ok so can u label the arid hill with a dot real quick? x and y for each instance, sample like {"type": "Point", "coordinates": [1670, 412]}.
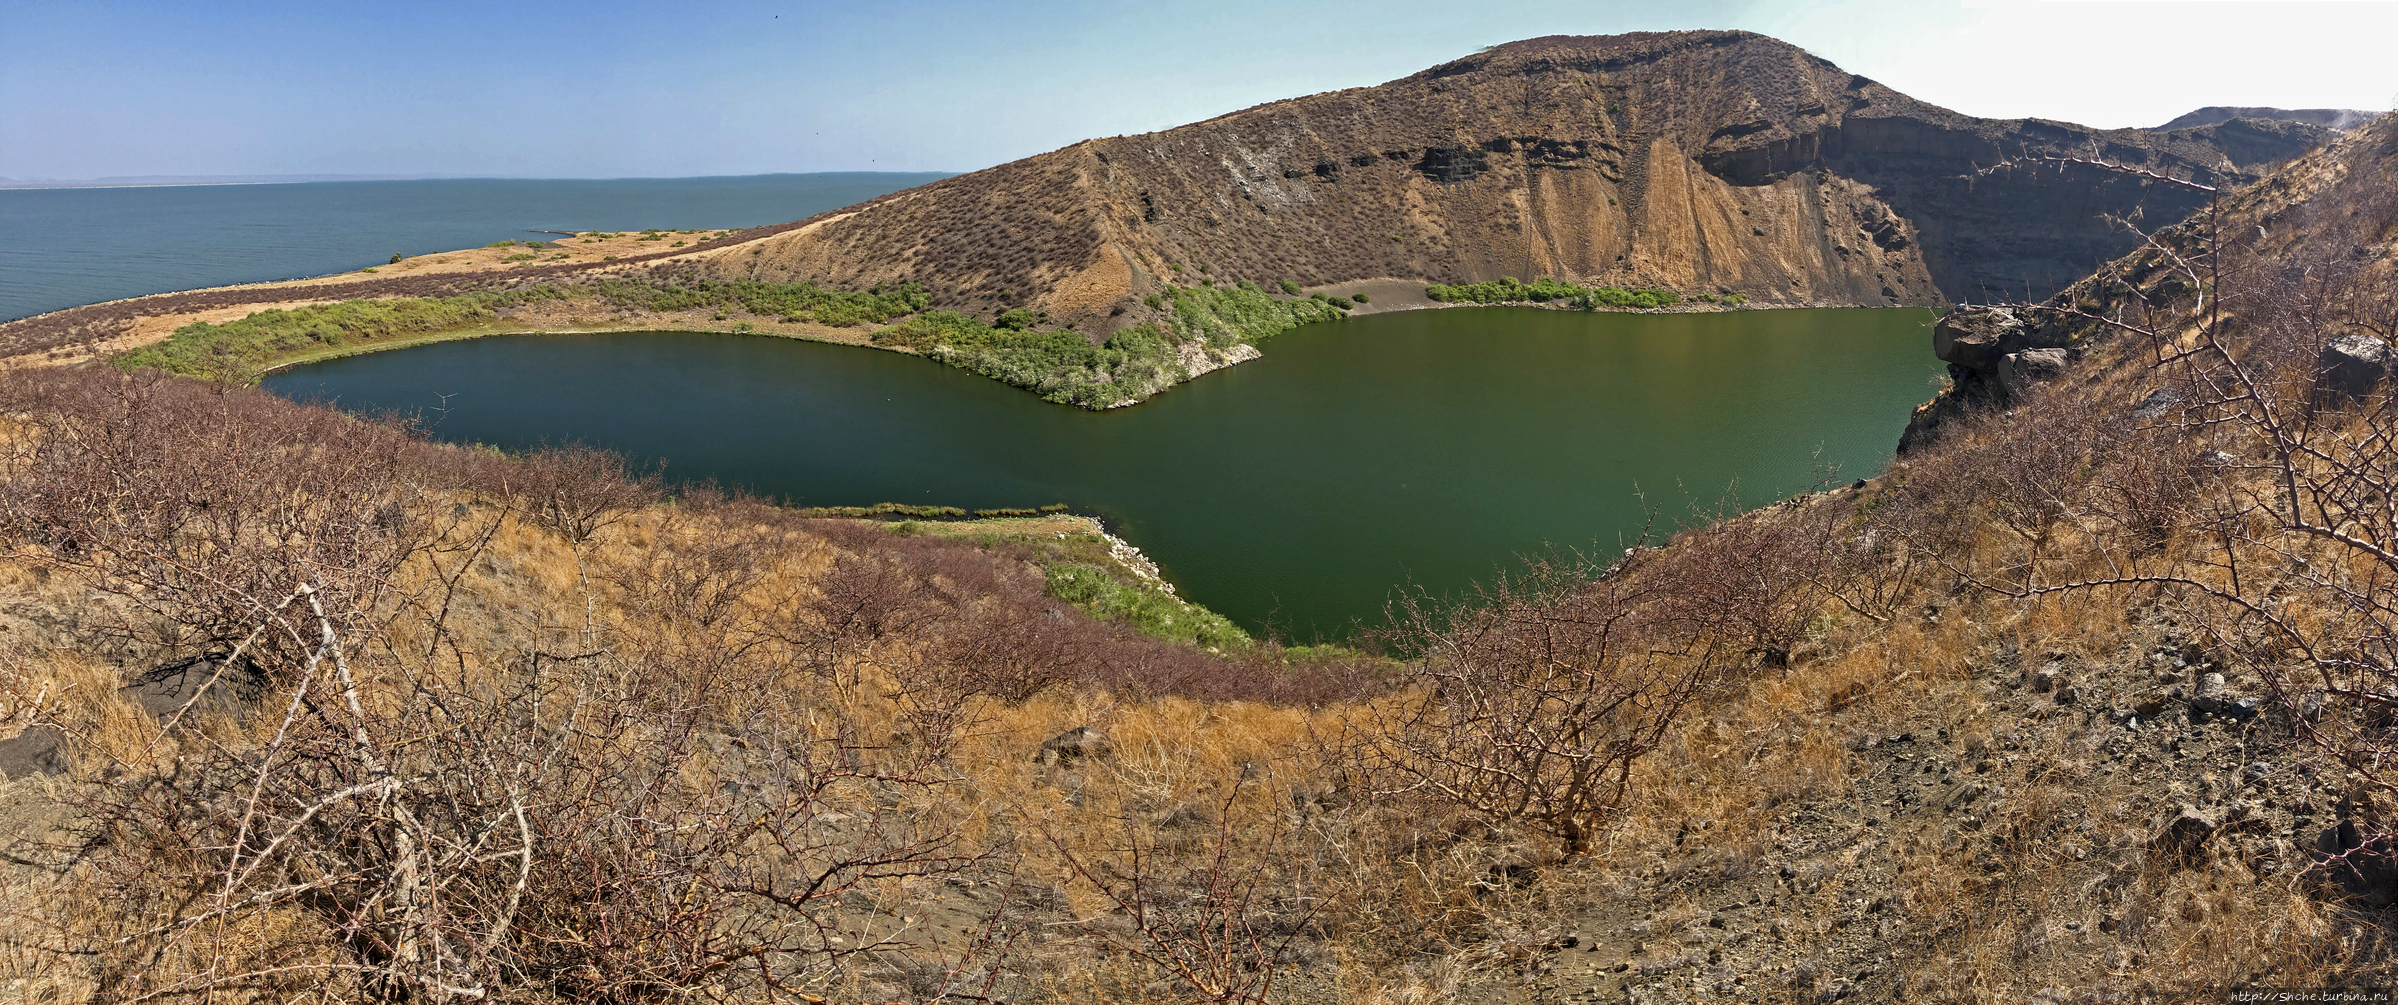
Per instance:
{"type": "Point", "coordinates": [2334, 118]}
{"type": "Point", "coordinates": [2087, 699]}
{"type": "Point", "coordinates": [1704, 161]}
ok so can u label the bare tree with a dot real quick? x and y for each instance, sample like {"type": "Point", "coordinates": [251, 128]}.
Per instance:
{"type": "Point", "coordinates": [1534, 701]}
{"type": "Point", "coordinates": [1206, 922]}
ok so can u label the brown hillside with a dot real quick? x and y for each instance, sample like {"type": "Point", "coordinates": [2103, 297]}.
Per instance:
{"type": "Point", "coordinates": [2086, 700]}
{"type": "Point", "coordinates": [2321, 222]}
{"type": "Point", "coordinates": [1704, 161]}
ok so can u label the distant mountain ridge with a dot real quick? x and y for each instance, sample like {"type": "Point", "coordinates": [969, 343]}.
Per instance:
{"type": "Point", "coordinates": [1704, 161]}
{"type": "Point", "coordinates": [2333, 118]}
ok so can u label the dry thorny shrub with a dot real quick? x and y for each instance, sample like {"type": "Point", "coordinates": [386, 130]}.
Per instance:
{"type": "Point", "coordinates": [737, 738]}
{"type": "Point", "coordinates": [689, 792]}
{"type": "Point", "coordinates": [410, 815]}
{"type": "Point", "coordinates": [741, 737]}
{"type": "Point", "coordinates": [1538, 697]}
{"type": "Point", "coordinates": [2231, 470]}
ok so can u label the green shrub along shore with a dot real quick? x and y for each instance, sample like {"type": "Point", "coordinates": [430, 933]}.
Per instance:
{"type": "Point", "coordinates": [886, 511]}
{"type": "Point", "coordinates": [241, 349]}
{"type": "Point", "coordinates": [1147, 610]}
{"type": "Point", "coordinates": [1059, 364]}
{"type": "Point", "coordinates": [1081, 568]}
{"type": "Point", "coordinates": [1134, 363]}
{"type": "Point", "coordinates": [1510, 290]}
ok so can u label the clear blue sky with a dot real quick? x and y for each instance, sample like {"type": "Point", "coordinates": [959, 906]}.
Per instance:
{"type": "Point", "coordinates": [605, 89]}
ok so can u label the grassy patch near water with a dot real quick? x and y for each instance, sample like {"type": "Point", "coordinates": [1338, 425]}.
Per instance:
{"type": "Point", "coordinates": [1144, 608]}
{"type": "Point", "coordinates": [1510, 290]}
{"type": "Point", "coordinates": [1059, 365]}
{"type": "Point", "coordinates": [240, 349]}
{"type": "Point", "coordinates": [1082, 570]}
{"type": "Point", "coordinates": [1132, 364]}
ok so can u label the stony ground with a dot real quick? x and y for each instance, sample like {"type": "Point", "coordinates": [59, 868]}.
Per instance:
{"type": "Point", "coordinates": [2028, 830]}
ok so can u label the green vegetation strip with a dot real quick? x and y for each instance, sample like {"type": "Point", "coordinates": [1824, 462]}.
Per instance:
{"type": "Point", "coordinates": [1144, 608]}
{"type": "Point", "coordinates": [1134, 363]}
{"type": "Point", "coordinates": [1060, 364]}
{"type": "Point", "coordinates": [1541, 291]}
{"type": "Point", "coordinates": [1083, 570]}
{"type": "Point", "coordinates": [237, 349]}
{"type": "Point", "coordinates": [905, 511]}
{"type": "Point", "coordinates": [240, 349]}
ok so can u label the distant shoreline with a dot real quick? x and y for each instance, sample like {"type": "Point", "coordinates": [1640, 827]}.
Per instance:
{"type": "Point", "coordinates": [200, 181]}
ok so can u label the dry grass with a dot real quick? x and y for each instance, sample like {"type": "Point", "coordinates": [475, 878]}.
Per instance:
{"type": "Point", "coordinates": [1917, 740]}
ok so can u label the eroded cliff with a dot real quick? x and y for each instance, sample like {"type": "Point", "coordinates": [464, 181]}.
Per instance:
{"type": "Point", "coordinates": [1706, 161]}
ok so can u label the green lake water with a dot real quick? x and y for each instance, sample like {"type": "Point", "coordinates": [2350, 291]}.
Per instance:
{"type": "Point", "coordinates": [1423, 450]}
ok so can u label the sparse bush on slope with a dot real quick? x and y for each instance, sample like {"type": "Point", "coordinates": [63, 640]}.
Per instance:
{"type": "Point", "coordinates": [789, 301]}
{"type": "Point", "coordinates": [237, 350]}
{"type": "Point", "coordinates": [639, 799]}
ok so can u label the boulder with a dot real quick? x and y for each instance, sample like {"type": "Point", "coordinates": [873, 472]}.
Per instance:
{"type": "Point", "coordinates": [1978, 337]}
{"type": "Point", "coordinates": [2213, 698]}
{"type": "Point", "coordinates": [220, 689]}
{"type": "Point", "coordinates": [2358, 867]}
{"type": "Point", "coordinates": [2352, 365]}
{"type": "Point", "coordinates": [2018, 371]}
{"type": "Point", "coordinates": [161, 692]}
{"type": "Point", "coordinates": [40, 750]}
{"type": "Point", "coordinates": [2182, 840]}
{"type": "Point", "coordinates": [1079, 743]}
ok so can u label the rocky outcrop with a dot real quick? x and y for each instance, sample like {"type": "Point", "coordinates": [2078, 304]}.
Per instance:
{"type": "Point", "coordinates": [1704, 161]}
{"type": "Point", "coordinates": [1082, 743]}
{"type": "Point", "coordinates": [2352, 366]}
{"type": "Point", "coordinates": [2329, 212]}
{"type": "Point", "coordinates": [1978, 339]}
{"type": "Point", "coordinates": [2018, 371]}
{"type": "Point", "coordinates": [1995, 355]}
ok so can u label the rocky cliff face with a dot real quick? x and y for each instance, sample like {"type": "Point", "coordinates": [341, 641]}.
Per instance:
{"type": "Point", "coordinates": [1701, 161]}
{"type": "Point", "coordinates": [2325, 220]}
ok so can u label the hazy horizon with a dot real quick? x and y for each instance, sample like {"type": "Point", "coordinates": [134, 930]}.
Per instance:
{"type": "Point", "coordinates": [173, 181]}
{"type": "Point", "coordinates": [136, 90]}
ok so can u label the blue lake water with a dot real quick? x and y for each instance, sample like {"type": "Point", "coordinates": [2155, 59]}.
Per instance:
{"type": "Point", "coordinates": [66, 247]}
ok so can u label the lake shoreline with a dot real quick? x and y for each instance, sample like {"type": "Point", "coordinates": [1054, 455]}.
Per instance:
{"type": "Point", "coordinates": [1415, 447]}
{"type": "Point", "coordinates": [857, 337]}
{"type": "Point", "coordinates": [603, 256]}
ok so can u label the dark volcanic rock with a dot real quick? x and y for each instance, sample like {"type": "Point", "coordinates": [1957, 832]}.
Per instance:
{"type": "Point", "coordinates": [37, 751]}
{"type": "Point", "coordinates": [1977, 338]}
{"type": "Point", "coordinates": [1079, 743]}
{"type": "Point", "coordinates": [2365, 869]}
{"type": "Point", "coordinates": [2018, 371]}
{"type": "Point", "coordinates": [167, 688]}
{"type": "Point", "coordinates": [161, 692]}
{"type": "Point", "coordinates": [2352, 365]}
{"type": "Point", "coordinates": [2183, 838]}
